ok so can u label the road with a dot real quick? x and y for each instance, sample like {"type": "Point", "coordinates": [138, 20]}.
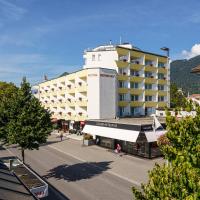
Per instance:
{"type": "Point", "coordinates": [77, 180]}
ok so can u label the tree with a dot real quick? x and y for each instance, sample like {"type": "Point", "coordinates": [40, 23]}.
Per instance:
{"type": "Point", "coordinates": [180, 178]}
{"type": "Point", "coordinates": [7, 92]}
{"type": "Point", "coordinates": [177, 98]}
{"type": "Point", "coordinates": [29, 123]}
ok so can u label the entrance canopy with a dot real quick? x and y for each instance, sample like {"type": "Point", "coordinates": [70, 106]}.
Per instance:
{"type": "Point", "coordinates": [114, 133]}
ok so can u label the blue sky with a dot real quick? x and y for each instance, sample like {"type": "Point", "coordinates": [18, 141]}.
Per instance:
{"type": "Point", "coordinates": [40, 37]}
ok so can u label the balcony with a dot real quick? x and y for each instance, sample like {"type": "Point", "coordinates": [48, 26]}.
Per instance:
{"type": "Point", "coordinates": [162, 70]}
{"type": "Point", "coordinates": [82, 117]}
{"type": "Point", "coordinates": [136, 103]}
{"type": "Point", "coordinates": [136, 66]}
{"type": "Point", "coordinates": [150, 104]}
{"type": "Point", "coordinates": [136, 54]}
{"type": "Point", "coordinates": [162, 93]}
{"type": "Point", "coordinates": [136, 91]}
{"type": "Point", "coordinates": [61, 104]}
{"type": "Point", "coordinates": [123, 103]}
{"type": "Point", "coordinates": [81, 88]}
{"type": "Point", "coordinates": [136, 79]}
{"type": "Point", "coordinates": [150, 68]}
{"type": "Point", "coordinates": [121, 64]}
{"type": "Point", "coordinates": [122, 77]}
{"type": "Point", "coordinates": [71, 77]}
{"type": "Point", "coordinates": [150, 80]}
{"type": "Point", "coordinates": [62, 92]}
{"type": "Point", "coordinates": [82, 74]}
{"type": "Point", "coordinates": [70, 103]}
{"type": "Point", "coordinates": [123, 90]}
{"type": "Point", "coordinates": [71, 90]}
{"type": "Point", "coordinates": [82, 103]}
{"type": "Point", "coordinates": [150, 57]}
{"type": "Point", "coordinates": [162, 104]}
{"type": "Point", "coordinates": [122, 51]}
{"type": "Point", "coordinates": [150, 92]}
{"type": "Point", "coordinates": [162, 82]}
{"type": "Point", "coordinates": [162, 59]}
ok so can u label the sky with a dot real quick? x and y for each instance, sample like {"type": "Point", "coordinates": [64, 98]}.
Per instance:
{"type": "Point", "coordinates": [48, 37]}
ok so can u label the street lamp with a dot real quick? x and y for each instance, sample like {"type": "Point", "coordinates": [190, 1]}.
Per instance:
{"type": "Point", "coordinates": [166, 49]}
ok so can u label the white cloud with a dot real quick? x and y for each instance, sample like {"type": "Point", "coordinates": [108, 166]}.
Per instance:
{"type": "Point", "coordinates": [194, 51]}
{"type": "Point", "coordinates": [14, 66]}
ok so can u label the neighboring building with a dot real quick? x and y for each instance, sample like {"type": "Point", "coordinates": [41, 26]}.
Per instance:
{"type": "Point", "coordinates": [85, 94]}
{"type": "Point", "coordinates": [143, 77]}
{"type": "Point", "coordinates": [116, 81]}
{"type": "Point", "coordinates": [137, 136]}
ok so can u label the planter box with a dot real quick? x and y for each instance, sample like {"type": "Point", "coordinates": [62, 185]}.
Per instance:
{"type": "Point", "coordinates": [88, 142]}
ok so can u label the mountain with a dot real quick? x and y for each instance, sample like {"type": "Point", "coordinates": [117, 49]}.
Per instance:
{"type": "Point", "coordinates": [64, 74]}
{"type": "Point", "coordinates": [181, 75]}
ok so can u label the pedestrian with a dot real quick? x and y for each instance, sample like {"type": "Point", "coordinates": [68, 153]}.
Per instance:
{"type": "Point", "coordinates": [61, 136]}
{"type": "Point", "coordinates": [118, 148]}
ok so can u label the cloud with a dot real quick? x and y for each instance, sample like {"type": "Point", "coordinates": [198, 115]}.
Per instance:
{"type": "Point", "coordinates": [14, 66]}
{"type": "Point", "coordinates": [9, 10]}
{"type": "Point", "coordinates": [195, 51]}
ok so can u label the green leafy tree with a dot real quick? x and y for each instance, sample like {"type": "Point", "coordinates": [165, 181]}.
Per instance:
{"type": "Point", "coordinates": [177, 98]}
{"type": "Point", "coordinates": [29, 123]}
{"type": "Point", "coordinates": [7, 92]}
{"type": "Point", "coordinates": [180, 178]}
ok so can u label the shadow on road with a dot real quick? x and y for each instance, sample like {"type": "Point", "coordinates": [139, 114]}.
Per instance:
{"type": "Point", "coordinates": [78, 171]}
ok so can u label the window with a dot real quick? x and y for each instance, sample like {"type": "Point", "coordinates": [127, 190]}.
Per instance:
{"type": "Point", "coordinates": [161, 98]}
{"type": "Point", "coordinates": [149, 62]}
{"type": "Point", "coordinates": [135, 111]}
{"type": "Point", "coordinates": [148, 98]}
{"type": "Point", "coordinates": [134, 85]}
{"type": "Point", "coordinates": [93, 57]}
{"type": "Point", "coordinates": [148, 74]}
{"type": "Point", "coordinates": [121, 97]}
{"type": "Point", "coordinates": [148, 86]}
{"type": "Point", "coordinates": [121, 71]}
{"type": "Point", "coordinates": [99, 57]}
{"type": "Point", "coordinates": [161, 76]}
{"type": "Point", "coordinates": [121, 84]}
{"type": "Point", "coordinates": [134, 73]}
{"type": "Point", "coordinates": [160, 64]}
{"type": "Point", "coordinates": [160, 87]}
{"type": "Point", "coordinates": [134, 98]}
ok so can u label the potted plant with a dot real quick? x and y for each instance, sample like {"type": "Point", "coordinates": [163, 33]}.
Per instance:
{"type": "Point", "coordinates": [88, 139]}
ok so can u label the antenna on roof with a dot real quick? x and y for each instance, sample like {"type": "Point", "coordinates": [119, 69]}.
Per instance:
{"type": "Point", "coordinates": [120, 40]}
{"type": "Point", "coordinates": [45, 77]}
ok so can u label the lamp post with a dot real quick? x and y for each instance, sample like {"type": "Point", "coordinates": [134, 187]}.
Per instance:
{"type": "Point", "coordinates": [166, 49]}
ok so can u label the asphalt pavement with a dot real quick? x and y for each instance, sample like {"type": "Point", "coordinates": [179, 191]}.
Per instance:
{"type": "Point", "coordinates": [77, 180]}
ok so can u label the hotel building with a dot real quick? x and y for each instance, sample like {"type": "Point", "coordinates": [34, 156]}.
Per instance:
{"type": "Point", "coordinates": [143, 78]}
{"type": "Point", "coordinates": [116, 81]}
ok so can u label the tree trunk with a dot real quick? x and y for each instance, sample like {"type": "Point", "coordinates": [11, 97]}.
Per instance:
{"type": "Point", "coordinates": [22, 154]}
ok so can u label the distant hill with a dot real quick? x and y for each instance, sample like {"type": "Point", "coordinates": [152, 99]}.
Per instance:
{"type": "Point", "coordinates": [181, 76]}
{"type": "Point", "coordinates": [64, 74]}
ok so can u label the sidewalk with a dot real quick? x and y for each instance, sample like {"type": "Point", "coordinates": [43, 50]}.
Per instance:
{"type": "Point", "coordinates": [127, 167]}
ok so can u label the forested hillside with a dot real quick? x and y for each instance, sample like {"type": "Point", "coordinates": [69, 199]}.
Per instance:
{"type": "Point", "coordinates": [181, 75]}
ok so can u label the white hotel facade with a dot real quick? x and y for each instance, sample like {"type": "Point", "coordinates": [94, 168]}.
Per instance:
{"type": "Point", "coordinates": [116, 81]}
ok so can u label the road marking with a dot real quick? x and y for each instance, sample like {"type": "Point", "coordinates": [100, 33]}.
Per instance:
{"type": "Point", "coordinates": [109, 172]}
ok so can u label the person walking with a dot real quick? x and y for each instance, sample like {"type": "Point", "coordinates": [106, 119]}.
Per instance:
{"type": "Point", "coordinates": [61, 136]}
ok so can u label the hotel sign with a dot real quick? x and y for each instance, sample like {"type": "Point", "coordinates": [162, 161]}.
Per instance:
{"type": "Point", "coordinates": [114, 125]}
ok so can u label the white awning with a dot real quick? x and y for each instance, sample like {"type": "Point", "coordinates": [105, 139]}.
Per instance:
{"type": "Point", "coordinates": [119, 134]}
{"type": "Point", "coordinates": [153, 136]}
